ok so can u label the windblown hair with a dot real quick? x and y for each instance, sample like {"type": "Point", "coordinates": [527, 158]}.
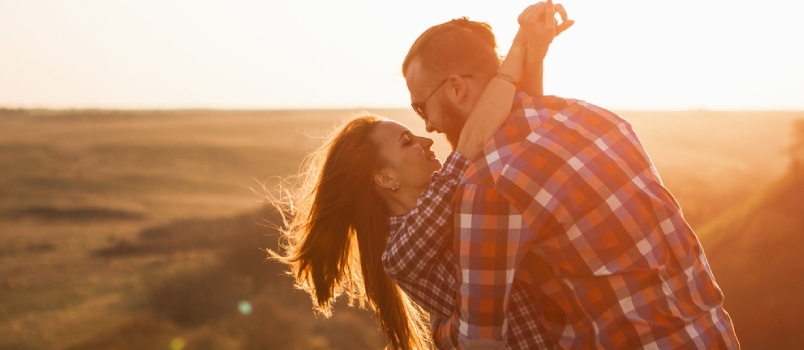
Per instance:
{"type": "Point", "coordinates": [459, 46]}
{"type": "Point", "coordinates": [335, 231]}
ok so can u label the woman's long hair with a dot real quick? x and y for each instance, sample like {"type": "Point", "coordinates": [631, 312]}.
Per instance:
{"type": "Point", "coordinates": [335, 231]}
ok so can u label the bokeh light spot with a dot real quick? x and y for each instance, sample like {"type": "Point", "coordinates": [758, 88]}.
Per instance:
{"type": "Point", "coordinates": [244, 307]}
{"type": "Point", "coordinates": [177, 343]}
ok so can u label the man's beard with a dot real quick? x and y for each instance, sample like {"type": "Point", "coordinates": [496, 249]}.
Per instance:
{"type": "Point", "coordinates": [453, 123]}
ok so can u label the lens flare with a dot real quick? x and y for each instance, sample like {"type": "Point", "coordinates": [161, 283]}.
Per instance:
{"type": "Point", "coordinates": [244, 307]}
{"type": "Point", "coordinates": [177, 343]}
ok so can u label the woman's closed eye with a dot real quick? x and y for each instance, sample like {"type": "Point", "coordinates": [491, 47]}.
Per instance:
{"type": "Point", "coordinates": [407, 140]}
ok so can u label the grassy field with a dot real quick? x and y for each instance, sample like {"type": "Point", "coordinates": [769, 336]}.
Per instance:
{"type": "Point", "coordinates": [100, 211]}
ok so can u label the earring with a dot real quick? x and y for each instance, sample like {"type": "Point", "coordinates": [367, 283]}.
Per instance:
{"type": "Point", "coordinates": [396, 187]}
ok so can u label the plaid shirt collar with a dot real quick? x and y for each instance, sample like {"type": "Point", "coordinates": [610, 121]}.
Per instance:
{"type": "Point", "coordinates": [394, 222]}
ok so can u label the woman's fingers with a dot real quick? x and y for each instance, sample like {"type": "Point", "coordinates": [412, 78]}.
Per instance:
{"type": "Point", "coordinates": [565, 21]}
{"type": "Point", "coordinates": [523, 17]}
{"type": "Point", "coordinates": [561, 12]}
{"type": "Point", "coordinates": [540, 18]}
{"type": "Point", "coordinates": [537, 21]}
{"type": "Point", "coordinates": [530, 13]}
{"type": "Point", "coordinates": [564, 26]}
{"type": "Point", "coordinates": [549, 12]}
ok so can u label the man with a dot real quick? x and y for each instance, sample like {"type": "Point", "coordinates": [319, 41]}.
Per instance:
{"type": "Point", "coordinates": [419, 255]}
{"type": "Point", "coordinates": [567, 209]}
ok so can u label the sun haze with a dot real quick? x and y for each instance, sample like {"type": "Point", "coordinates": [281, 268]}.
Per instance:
{"type": "Point", "coordinates": [323, 54]}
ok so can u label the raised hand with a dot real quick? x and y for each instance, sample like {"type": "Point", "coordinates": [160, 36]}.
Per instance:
{"type": "Point", "coordinates": [539, 25]}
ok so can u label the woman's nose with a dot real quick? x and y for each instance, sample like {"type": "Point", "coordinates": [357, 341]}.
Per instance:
{"type": "Point", "coordinates": [429, 127]}
{"type": "Point", "coordinates": [426, 141]}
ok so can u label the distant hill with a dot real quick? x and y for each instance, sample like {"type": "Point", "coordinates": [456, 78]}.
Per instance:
{"type": "Point", "coordinates": [203, 308]}
{"type": "Point", "coordinates": [755, 252]}
{"type": "Point", "coordinates": [139, 226]}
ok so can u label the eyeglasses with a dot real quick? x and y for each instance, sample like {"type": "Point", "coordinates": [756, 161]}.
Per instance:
{"type": "Point", "coordinates": [419, 106]}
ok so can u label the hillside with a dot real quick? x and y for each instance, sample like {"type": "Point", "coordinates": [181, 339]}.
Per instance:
{"type": "Point", "coordinates": [752, 249]}
{"type": "Point", "coordinates": [755, 254]}
{"type": "Point", "coordinates": [105, 216]}
{"type": "Point", "coordinates": [238, 301]}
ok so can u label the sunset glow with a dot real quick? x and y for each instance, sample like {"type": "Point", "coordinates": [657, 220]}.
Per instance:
{"type": "Point", "coordinates": [321, 54]}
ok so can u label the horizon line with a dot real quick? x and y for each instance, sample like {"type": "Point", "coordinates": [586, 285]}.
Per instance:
{"type": "Point", "coordinates": [343, 108]}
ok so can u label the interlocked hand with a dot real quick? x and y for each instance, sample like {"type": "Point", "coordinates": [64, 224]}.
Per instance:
{"type": "Point", "coordinates": [539, 26]}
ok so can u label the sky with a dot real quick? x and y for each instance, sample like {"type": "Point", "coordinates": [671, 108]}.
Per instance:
{"type": "Point", "coordinates": [150, 54]}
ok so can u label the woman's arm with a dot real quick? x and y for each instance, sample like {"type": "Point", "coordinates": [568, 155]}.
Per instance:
{"type": "Point", "coordinates": [536, 32]}
{"type": "Point", "coordinates": [532, 81]}
{"type": "Point", "coordinates": [494, 104]}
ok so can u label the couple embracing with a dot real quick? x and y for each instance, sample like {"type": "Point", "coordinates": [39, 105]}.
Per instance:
{"type": "Point", "coordinates": [547, 227]}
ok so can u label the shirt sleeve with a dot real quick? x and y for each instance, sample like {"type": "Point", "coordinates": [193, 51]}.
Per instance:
{"type": "Point", "coordinates": [491, 239]}
{"type": "Point", "coordinates": [415, 256]}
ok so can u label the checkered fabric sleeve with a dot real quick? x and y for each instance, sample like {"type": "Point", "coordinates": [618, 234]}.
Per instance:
{"type": "Point", "coordinates": [415, 254]}
{"type": "Point", "coordinates": [425, 267]}
{"type": "Point", "coordinates": [491, 239]}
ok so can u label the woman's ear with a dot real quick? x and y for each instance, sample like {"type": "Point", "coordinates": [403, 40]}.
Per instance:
{"type": "Point", "coordinates": [385, 179]}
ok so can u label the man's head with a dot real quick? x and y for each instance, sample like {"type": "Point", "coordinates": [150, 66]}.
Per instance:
{"type": "Point", "coordinates": [446, 69]}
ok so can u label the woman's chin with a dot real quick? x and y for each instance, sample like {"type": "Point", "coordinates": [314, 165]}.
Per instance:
{"type": "Point", "coordinates": [436, 164]}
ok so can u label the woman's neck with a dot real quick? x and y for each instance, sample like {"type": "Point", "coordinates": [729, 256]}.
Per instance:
{"type": "Point", "coordinates": [402, 201]}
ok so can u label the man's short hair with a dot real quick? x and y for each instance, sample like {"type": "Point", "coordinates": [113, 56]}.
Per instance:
{"type": "Point", "coordinates": [459, 46]}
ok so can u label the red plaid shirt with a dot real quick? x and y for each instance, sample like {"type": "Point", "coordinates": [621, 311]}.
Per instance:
{"type": "Point", "coordinates": [420, 258]}
{"type": "Point", "coordinates": [567, 203]}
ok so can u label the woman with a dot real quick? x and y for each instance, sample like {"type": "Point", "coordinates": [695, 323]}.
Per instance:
{"type": "Point", "coordinates": [373, 169]}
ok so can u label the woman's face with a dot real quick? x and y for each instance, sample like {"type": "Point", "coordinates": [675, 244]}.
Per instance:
{"type": "Point", "coordinates": [407, 156]}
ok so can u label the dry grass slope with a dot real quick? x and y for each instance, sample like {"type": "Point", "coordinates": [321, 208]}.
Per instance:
{"type": "Point", "coordinates": [202, 306]}
{"type": "Point", "coordinates": [754, 251]}
{"type": "Point", "coordinates": [132, 229]}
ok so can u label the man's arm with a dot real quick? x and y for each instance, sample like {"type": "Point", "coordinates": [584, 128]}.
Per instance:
{"type": "Point", "coordinates": [491, 239]}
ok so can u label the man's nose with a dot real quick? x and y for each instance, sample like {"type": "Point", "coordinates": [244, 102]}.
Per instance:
{"type": "Point", "coordinates": [429, 127]}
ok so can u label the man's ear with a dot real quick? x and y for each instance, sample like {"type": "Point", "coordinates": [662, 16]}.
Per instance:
{"type": "Point", "coordinates": [385, 179]}
{"type": "Point", "coordinates": [456, 89]}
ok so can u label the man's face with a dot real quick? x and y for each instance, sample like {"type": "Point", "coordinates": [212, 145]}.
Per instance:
{"type": "Point", "coordinates": [451, 121]}
{"type": "Point", "coordinates": [428, 97]}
